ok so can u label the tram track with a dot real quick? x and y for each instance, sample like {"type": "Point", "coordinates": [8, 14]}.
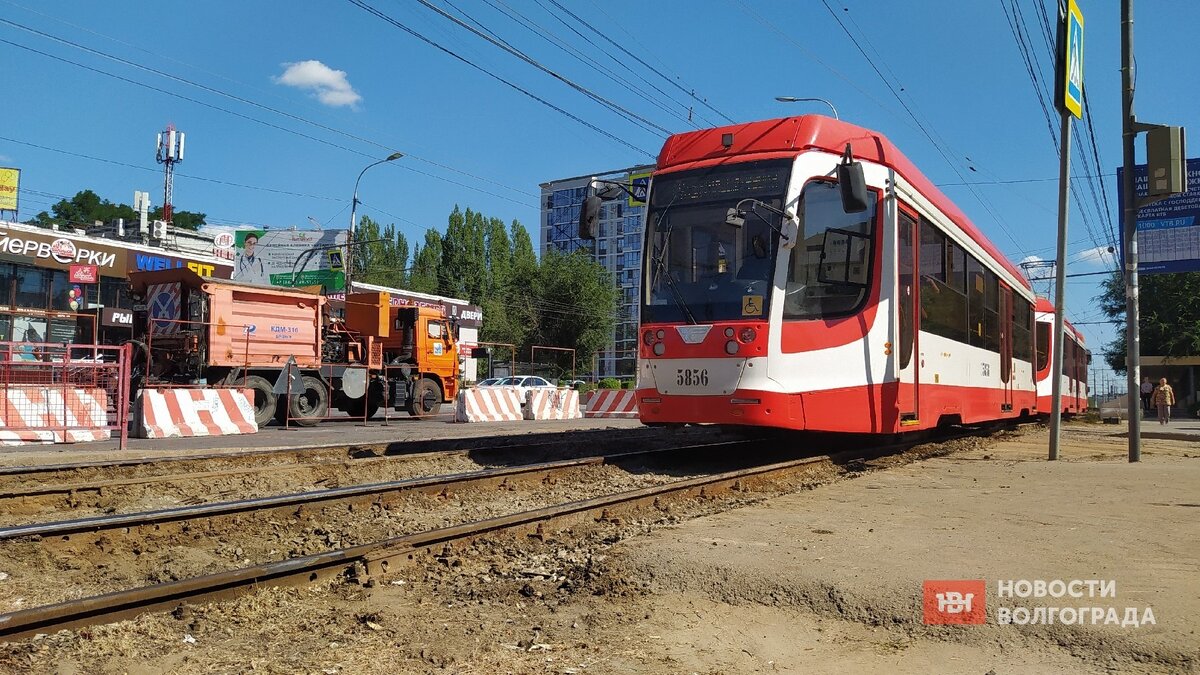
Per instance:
{"type": "Point", "coordinates": [364, 561]}
{"type": "Point", "coordinates": [16, 476]}
{"type": "Point", "coordinates": [258, 473]}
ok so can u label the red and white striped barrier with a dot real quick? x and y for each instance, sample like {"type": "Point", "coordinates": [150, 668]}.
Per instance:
{"type": "Point", "coordinates": [166, 413]}
{"type": "Point", "coordinates": [488, 404]}
{"type": "Point", "coordinates": [556, 404]}
{"type": "Point", "coordinates": [30, 412]}
{"type": "Point", "coordinates": [611, 403]}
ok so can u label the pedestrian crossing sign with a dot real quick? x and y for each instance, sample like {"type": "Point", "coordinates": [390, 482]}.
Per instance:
{"type": "Point", "coordinates": [1071, 61]}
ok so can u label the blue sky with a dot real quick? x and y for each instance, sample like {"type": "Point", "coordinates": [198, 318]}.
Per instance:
{"type": "Point", "coordinates": [333, 87]}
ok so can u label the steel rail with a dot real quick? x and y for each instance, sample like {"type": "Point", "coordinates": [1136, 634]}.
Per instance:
{"type": "Point", "coordinates": [131, 523]}
{"type": "Point", "coordinates": [366, 560]}
{"type": "Point", "coordinates": [363, 450]}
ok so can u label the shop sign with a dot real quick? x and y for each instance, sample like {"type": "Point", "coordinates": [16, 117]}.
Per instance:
{"type": "Point", "coordinates": [61, 252]}
{"type": "Point", "coordinates": [149, 262]}
{"type": "Point", "coordinates": [85, 274]}
{"type": "Point", "coordinates": [111, 316]}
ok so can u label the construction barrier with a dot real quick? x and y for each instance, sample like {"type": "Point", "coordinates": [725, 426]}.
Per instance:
{"type": "Point", "coordinates": [488, 404]}
{"type": "Point", "coordinates": [38, 414]}
{"type": "Point", "coordinates": [611, 403]}
{"type": "Point", "coordinates": [557, 404]}
{"type": "Point", "coordinates": [167, 413]}
{"type": "Point", "coordinates": [63, 393]}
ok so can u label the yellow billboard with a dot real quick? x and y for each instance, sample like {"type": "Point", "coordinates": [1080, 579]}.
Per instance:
{"type": "Point", "coordinates": [10, 180]}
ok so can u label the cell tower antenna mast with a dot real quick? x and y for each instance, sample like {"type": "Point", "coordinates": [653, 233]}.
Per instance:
{"type": "Point", "coordinates": [169, 153]}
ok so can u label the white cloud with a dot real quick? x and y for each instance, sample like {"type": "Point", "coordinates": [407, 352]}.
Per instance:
{"type": "Point", "coordinates": [330, 86]}
{"type": "Point", "coordinates": [1099, 256]}
{"type": "Point", "coordinates": [1032, 259]}
{"type": "Point", "coordinates": [5, 159]}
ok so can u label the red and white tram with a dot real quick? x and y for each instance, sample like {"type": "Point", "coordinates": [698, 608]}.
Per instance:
{"type": "Point", "coordinates": [1076, 359]}
{"type": "Point", "coordinates": [783, 287]}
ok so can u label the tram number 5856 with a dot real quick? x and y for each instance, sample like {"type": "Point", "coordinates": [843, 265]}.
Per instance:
{"type": "Point", "coordinates": [691, 377]}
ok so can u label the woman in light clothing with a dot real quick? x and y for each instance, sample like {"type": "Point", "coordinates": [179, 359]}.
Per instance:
{"type": "Point", "coordinates": [1163, 398]}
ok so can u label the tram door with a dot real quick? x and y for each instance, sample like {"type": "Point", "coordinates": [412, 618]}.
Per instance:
{"type": "Point", "coordinates": [907, 347]}
{"type": "Point", "coordinates": [1006, 346]}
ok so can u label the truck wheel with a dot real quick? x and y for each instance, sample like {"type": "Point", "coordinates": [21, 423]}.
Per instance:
{"type": "Point", "coordinates": [312, 406]}
{"type": "Point", "coordinates": [426, 398]}
{"type": "Point", "coordinates": [371, 402]}
{"type": "Point", "coordinates": [264, 400]}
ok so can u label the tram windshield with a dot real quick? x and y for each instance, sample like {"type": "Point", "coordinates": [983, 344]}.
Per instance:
{"type": "Point", "coordinates": [699, 268]}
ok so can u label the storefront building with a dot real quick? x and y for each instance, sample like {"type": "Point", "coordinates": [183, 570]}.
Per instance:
{"type": "Point", "coordinates": [63, 287]}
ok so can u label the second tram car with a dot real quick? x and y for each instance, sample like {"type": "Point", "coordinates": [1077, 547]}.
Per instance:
{"type": "Point", "coordinates": [801, 273]}
{"type": "Point", "coordinates": [1076, 359]}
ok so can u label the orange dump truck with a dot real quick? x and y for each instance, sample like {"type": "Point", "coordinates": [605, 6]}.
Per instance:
{"type": "Point", "coordinates": [202, 330]}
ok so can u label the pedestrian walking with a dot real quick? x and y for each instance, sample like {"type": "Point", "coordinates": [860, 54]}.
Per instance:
{"type": "Point", "coordinates": [1163, 398]}
{"type": "Point", "coordinates": [1147, 392]}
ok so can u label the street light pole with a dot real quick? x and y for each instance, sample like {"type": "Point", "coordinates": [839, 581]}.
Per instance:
{"type": "Point", "coordinates": [795, 99]}
{"type": "Point", "coordinates": [349, 262]}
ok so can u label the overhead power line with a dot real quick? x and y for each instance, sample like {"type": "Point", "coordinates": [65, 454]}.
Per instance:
{"type": "Point", "coordinates": [921, 125]}
{"type": "Point", "coordinates": [664, 102]}
{"type": "Point", "coordinates": [255, 104]}
{"type": "Point", "coordinates": [606, 102]}
{"type": "Point", "coordinates": [420, 36]}
{"type": "Point", "coordinates": [635, 57]}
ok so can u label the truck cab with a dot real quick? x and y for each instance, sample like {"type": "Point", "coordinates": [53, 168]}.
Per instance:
{"type": "Point", "coordinates": [421, 359]}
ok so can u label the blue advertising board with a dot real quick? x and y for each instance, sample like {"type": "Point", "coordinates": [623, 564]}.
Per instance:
{"type": "Point", "coordinates": [1168, 232]}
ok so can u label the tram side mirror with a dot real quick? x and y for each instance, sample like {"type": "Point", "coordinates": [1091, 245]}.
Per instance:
{"type": "Point", "coordinates": [735, 218]}
{"type": "Point", "coordinates": [589, 217]}
{"type": "Point", "coordinates": [853, 184]}
{"type": "Point", "coordinates": [608, 191]}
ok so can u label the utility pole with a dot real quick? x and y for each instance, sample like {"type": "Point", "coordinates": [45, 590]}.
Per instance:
{"type": "Point", "coordinates": [1166, 176]}
{"type": "Point", "coordinates": [1128, 135]}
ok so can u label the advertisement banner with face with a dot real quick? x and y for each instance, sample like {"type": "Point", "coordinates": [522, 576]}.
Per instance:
{"type": "Point", "coordinates": [289, 258]}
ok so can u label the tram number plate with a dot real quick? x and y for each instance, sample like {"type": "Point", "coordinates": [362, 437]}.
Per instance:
{"type": "Point", "coordinates": [691, 377]}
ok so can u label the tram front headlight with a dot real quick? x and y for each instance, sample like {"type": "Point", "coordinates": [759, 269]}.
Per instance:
{"type": "Point", "coordinates": [731, 347]}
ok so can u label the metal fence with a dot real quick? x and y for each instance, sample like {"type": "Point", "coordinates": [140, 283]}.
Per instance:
{"type": "Point", "coordinates": [64, 393]}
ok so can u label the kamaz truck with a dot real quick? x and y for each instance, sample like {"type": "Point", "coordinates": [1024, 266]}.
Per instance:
{"type": "Point", "coordinates": [287, 346]}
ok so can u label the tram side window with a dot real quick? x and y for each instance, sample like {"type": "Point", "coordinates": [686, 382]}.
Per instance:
{"type": "Point", "coordinates": [1022, 335]}
{"type": "Point", "coordinates": [983, 300]}
{"type": "Point", "coordinates": [1068, 357]}
{"type": "Point", "coordinates": [991, 312]}
{"type": "Point", "coordinates": [943, 306]}
{"type": "Point", "coordinates": [1043, 345]}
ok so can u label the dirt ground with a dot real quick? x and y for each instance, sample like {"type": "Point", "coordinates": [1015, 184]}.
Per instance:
{"type": "Point", "coordinates": [823, 577]}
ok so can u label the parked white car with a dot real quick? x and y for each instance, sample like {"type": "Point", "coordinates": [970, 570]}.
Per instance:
{"type": "Point", "coordinates": [490, 382]}
{"type": "Point", "coordinates": [524, 383]}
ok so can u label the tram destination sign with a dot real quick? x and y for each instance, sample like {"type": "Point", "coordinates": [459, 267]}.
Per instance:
{"type": "Point", "coordinates": [1168, 231]}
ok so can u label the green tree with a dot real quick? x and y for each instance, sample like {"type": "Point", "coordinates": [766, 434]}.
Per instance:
{"type": "Point", "coordinates": [524, 260]}
{"type": "Point", "coordinates": [1170, 315]}
{"type": "Point", "coordinates": [576, 302]}
{"type": "Point", "coordinates": [402, 260]}
{"type": "Point", "coordinates": [463, 260]}
{"type": "Point", "coordinates": [184, 220]}
{"type": "Point", "coordinates": [498, 257]}
{"type": "Point", "coordinates": [426, 266]}
{"type": "Point", "coordinates": [86, 208]}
